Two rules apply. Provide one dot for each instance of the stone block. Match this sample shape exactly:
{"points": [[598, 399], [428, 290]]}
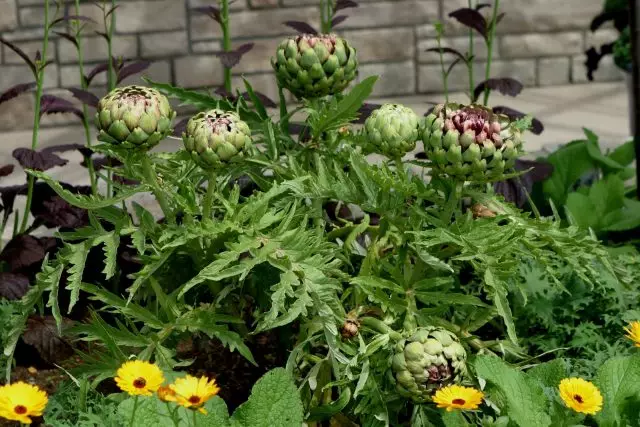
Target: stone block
{"points": [[173, 43], [198, 71], [537, 45]]}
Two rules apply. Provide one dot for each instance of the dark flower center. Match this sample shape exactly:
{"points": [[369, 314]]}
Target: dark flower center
{"points": [[20, 409], [578, 398], [139, 382], [194, 400], [458, 401]]}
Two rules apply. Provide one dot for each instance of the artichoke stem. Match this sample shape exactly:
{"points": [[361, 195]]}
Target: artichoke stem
{"points": [[150, 175], [400, 168], [379, 326], [208, 198]]}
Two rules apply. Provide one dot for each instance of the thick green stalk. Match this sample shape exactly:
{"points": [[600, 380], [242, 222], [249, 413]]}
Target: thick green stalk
{"points": [[326, 12], [226, 40], [36, 112], [470, 63], [195, 420], [284, 115], [83, 83], [379, 326], [150, 175], [400, 167], [492, 34], [209, 196]]}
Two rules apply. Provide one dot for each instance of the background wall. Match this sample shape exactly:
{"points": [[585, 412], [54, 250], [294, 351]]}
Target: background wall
{"points": [[541, 42]]}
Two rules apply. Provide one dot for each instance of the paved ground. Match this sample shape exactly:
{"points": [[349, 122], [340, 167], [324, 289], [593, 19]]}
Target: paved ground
{"points": [[564, 111]]}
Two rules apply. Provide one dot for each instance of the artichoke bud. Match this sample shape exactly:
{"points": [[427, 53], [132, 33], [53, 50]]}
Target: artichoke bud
{"points": [[430, 359], [216, 137], [134, 117], [392, 130], [469, 135], [313, 66]]}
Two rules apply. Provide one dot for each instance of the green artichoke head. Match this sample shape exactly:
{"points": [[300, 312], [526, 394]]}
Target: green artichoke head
{"points": [[470, 142], [313, 66], [428, 360], [134, 117], [392, 130], [216, 137]]}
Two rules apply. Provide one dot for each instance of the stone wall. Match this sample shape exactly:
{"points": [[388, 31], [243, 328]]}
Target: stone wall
{"points": [[541, 42]]}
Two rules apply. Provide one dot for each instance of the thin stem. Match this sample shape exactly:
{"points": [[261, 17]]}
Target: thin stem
{"points": [[470, 62], [226, 39], [36, 112], [150, 175], [83, 83], [111, 76], [284, 115], [445, 75], [133, 412], [209, 196], [490, 40], [195, 420], [326, 12]]}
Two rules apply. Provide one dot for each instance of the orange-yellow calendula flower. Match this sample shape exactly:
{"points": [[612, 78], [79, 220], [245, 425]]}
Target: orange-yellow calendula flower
{"points": [[137, 377], [633, 332], [458, 397], [192, 392], [581, 395], [166, 394], [20, 401]]}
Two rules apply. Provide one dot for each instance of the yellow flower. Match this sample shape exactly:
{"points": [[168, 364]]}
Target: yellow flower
{"points": [[580, 395], [458, 397], [139, 378], [192, 392], [634, 332], [166, 394], [19, 401]]}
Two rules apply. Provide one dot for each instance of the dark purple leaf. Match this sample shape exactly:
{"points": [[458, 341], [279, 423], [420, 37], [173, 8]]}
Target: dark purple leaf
{"points": [[30, 159], [13, 285], [8, 196], [55, 212], [211, 11], [46, 64], [504, 85], [38, 56], [69, 37], [620, 19], [85, 97], [472, 19], [337, 20], [515, 190], [365, 111], [447, 50], [500, 17], [72, 18], [51, 104], [132, 69], [20, 53], [180, 127], [100, 68], [6, 170], [344, 4], [103, 34], [225, 94], [42, 334], [536, 125], [266, 101], [593, 58], [453, 64], [16, 91], [24, 251], [231, 59], [111, 10], [301, 27], [481, 6], [61, 148]]}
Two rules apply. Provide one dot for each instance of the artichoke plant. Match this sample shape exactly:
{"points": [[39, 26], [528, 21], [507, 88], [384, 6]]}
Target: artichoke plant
{"points": [[430, 359], [470, 143], [134, 117], [215, 137], [312, 66], [392, 130]]}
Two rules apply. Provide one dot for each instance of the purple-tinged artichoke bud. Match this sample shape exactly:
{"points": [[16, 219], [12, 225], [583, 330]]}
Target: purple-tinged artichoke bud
{"points": [[480, 145]]}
